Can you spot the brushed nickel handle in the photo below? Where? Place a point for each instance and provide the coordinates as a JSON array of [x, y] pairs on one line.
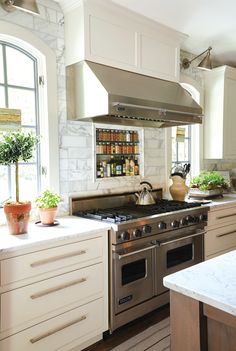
[[162, 243], [224, 234], [55, 330], [227, 216], [135, 252], [57, 258], [57, 288]]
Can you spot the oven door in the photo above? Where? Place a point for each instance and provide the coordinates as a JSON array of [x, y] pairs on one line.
[[175, 254], [133, 277]]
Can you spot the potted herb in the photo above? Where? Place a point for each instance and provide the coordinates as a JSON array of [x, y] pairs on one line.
[[208, 184], [17, 146], [47, 204]]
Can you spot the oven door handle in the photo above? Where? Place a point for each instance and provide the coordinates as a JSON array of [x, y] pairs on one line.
[[162, 243], [120, 256]]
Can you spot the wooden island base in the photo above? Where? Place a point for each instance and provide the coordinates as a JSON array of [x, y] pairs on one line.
[[196, 326]]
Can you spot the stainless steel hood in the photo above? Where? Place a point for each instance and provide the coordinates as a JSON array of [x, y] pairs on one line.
[[104, 94]]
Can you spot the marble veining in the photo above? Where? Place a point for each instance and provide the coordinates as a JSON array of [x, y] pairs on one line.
[[212, 282]]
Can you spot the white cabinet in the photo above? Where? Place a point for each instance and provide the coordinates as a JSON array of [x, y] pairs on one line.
[[55, 298], [220, 113], [106, 33], [220, 234]]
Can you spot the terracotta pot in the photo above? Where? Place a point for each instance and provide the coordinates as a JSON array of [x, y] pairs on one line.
[[17, 215], [178, 189], [47, 215]]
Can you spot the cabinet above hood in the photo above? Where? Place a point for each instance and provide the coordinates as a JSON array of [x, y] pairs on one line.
[[104, 94]]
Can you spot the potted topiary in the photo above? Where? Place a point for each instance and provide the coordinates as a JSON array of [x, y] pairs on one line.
[[47, 204], [207, 184], [17, 146]]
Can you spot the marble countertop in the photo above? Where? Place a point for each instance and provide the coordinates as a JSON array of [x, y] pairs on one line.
[[212, 282], [227, 199], [70, 227]]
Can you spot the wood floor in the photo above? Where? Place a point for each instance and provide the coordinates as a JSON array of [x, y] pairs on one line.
[[129, 330]]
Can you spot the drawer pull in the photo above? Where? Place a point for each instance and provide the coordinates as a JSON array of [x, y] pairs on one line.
[[58, 258], [55, 330], [227, 216], [224, 234], [57, 288]]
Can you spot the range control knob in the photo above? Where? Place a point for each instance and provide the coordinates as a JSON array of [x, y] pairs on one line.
[[137, 233], [161, 225], [174, 224], [190, 219], [184, 221], [197, 219], [203, 217], [147, 229], [124, 236]]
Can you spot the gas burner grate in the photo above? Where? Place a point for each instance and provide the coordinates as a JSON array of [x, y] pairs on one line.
[[106, 216], [129, 212]]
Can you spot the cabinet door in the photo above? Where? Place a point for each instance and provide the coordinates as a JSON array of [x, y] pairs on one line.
[[230, 118], [62, 332], [111, 44], [220, 240], [159, 58]]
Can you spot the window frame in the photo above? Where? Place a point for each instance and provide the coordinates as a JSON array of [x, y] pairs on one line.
[[47, 64], [34, 89]]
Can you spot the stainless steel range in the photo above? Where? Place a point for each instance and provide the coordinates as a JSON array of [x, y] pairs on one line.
[[146, 243]]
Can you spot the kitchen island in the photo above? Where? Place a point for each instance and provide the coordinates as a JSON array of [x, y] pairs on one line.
[[203, 305]]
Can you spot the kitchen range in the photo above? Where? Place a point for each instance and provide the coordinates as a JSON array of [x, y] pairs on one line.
[[146, 243]]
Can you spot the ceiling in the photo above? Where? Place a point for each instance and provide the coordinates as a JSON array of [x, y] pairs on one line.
[[206, 22]]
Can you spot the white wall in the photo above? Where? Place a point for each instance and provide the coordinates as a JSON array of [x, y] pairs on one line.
[[75, 138]]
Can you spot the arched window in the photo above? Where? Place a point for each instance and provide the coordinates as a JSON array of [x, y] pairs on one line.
[[19, 89]]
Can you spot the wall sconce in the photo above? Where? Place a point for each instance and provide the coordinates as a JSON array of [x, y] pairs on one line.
[[205, 64], [24, 5]]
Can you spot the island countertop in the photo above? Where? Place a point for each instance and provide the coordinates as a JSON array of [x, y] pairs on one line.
[[69, 228], [212, 282]]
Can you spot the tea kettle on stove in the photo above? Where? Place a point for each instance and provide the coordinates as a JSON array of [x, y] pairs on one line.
[[145, 197]]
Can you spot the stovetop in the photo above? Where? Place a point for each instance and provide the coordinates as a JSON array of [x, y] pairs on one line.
[[131, 212]]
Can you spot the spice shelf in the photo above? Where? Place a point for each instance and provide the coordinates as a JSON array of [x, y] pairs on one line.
[[117, 153]]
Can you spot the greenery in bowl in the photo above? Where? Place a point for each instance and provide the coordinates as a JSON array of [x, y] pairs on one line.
[[16, 146], [208, 181], [48, 199]]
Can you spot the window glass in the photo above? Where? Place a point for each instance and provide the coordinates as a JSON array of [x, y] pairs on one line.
[[2, 97], [25, 101], [1, 66], [4, 194], [20, 68], [27, 181]]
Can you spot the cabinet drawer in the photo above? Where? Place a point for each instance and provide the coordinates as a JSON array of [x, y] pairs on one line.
[[220, 239], [61, 332], [222, 217], [39, 301], [41, 262]]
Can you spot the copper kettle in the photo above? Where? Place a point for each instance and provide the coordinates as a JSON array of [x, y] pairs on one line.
[[145, 197]]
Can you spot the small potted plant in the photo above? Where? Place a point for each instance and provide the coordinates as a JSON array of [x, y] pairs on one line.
[[47, 204], [207, 184], [16, 146]]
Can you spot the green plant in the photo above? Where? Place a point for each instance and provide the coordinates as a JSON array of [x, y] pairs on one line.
[[48, 199], [17, 146], [208, 181]]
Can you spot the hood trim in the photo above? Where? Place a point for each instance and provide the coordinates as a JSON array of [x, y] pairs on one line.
[[145, 101]]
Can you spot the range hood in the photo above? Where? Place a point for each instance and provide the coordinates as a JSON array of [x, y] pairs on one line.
[[104, 94]]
